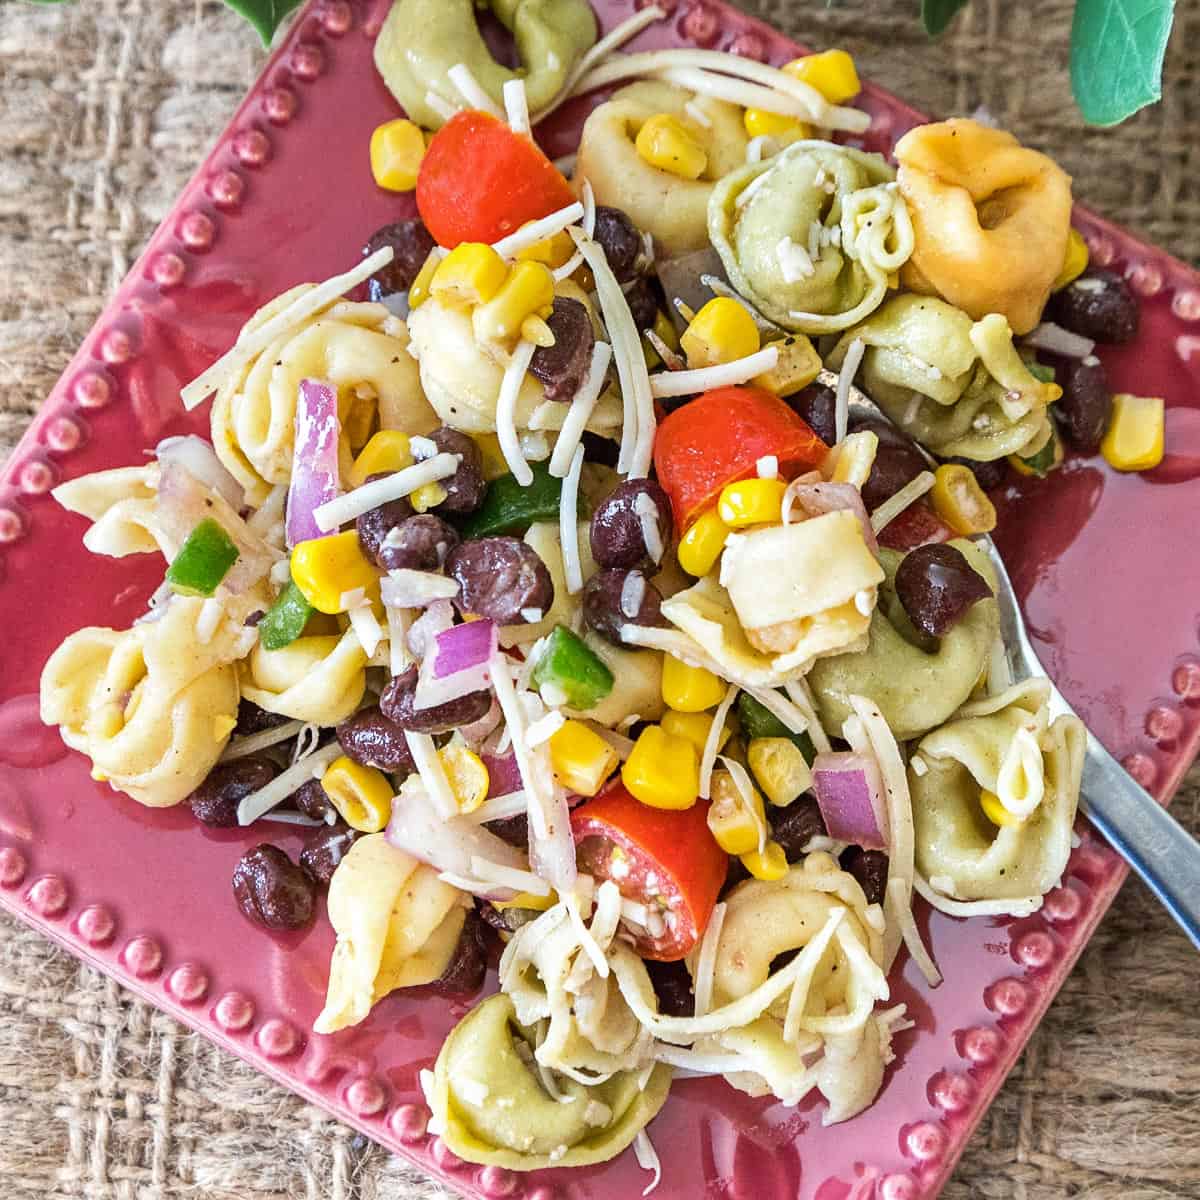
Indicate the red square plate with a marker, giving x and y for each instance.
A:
(1106, 565)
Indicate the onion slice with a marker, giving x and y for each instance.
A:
(850, 795)
(199, 459)
(315, 472)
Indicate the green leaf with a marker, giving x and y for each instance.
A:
(937, 14)
(264, 15)
(1117, 49)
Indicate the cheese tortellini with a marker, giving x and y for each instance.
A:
(955, 385)
(122, 505)
(362, 349)
(319, 678)
(991, 219)
(674, 210)
(397, 926)
(811, 236)
(916, 686)
(1008, 746)
(151, 706)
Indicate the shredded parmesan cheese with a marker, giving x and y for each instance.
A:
(741, 781)
(256, 804)
(209, 617)
(1021, 907)
(647, 512)
(697, 114)
(254, 342)
(470, 89)
(440, 105)
(500, 808)
(399, 620)
(568, 524)
(255, 742)
(900, 905)
(339, 511)
(795, 262)
(895, 504)
(758, 148)
(544, 728)
(707, 961)
(366, 627)
(506, 408)
(512, 877)
(853, 360)
(589, 209)
(516, 105)
(703, 379)
(647, 1159)
(539, 230)
(433, 774)
(580, 411)
(767, 467)
(587, 943)
(713, 741)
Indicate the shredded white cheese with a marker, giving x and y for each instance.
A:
(920, 768)
(767, 467)
(208, 619)
(647, 513)
(707, 961)
(284, 784)
(544, 728)
(589, 209)
(741, 781)
(333, 513)
(795, 262)
(895, 504)
(647, 1159)
(516, 105)
(292, 818)
(703, 379)
(853, 360)
(712, 743)
(580, 412)
(254, 342)
(633, 593)
(470, 89)
(1020, 907)
(587, 943)
(758, 148)
(366, 627)
(568, 524)
(254, 742)
(519, 881)
(433, 774)
(399, 620)
(500, 808)
(900, 906)
(440, 105)
(506, 408)
(538, 231)
(696, 113)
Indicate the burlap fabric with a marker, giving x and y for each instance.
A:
(106, 107)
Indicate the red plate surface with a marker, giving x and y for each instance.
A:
(1106, 566)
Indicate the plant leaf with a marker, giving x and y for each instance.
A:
(1117, 49)
(264, 15)
(937, 14)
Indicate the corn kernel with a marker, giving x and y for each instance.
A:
(779, 769)
(995, 811)
(695, 727)
(737, 824)
(427, 496)
(689, 689)
(1075, 262)
(527, 291)
(785, 130)
(362, 795)
(751, 502)
(721, 332)
(554, 251)
(419, 292)
(466, 774)
(960, 501)
(360, 420)
(662, 771)
(768, 866)
(528, 900)
(581, 758)
(666, 142)
(397, 148)
(851, 460)
(832, 73)
(534, 329)
(494, 463)
(472, 273)
(326, 568)
(799, 364)
(701, 546)
(1134, 441)
(387, 451)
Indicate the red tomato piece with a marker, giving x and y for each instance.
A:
(719, 437)
(479, 181)
(665, 859)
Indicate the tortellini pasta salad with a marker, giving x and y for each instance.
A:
(605, 635)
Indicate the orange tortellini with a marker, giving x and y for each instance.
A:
(990, 216)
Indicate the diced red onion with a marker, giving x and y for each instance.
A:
(463, 646)
(438, 616)
(315, 473)
(504, 775)
(200, 460)
(477, 731)
(817, 499)
(850, 795)
(406, 588)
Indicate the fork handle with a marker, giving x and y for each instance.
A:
(1164, 855)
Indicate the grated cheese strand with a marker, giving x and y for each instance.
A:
(342, 509)
(399, 621)
(366, 627)
(568, 524)
(589, 209)
(587, 943)
(1022, 906)
(703, 379)
(440, 105)
(801, 696)
(500, 808)
(433, 774)
(899, 901)
(471, 90)
(853, 360)
(647, 1159)
(257, 340)
(582, 407)
(895, 504)
(516, 105)
(741, 781)
(255, 742)
(711, 743)
(518, 880)
(257, 804)
(539, 230)
(706, 963)
(506, 408)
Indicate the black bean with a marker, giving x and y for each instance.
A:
(468, 964)
(252, 719)
(562, 368)
(465, 488)
(796, 825)
(621, 241)
(215, 801)
(397, 705)
(420, 543)
(502, 578)
(312, 800)
(371, 740)
(1099, 305)
(817, 404)
(613, 598)
(374, 526)
(936, 585)
(412, 243)
(601, 451)
(897, 460)
(870, 868)
(989, 475)
(513, 830)
(735, 873)
(673, 986)
(644, 302)
(324, 850)
(1085, 408)
(618, 535)
(271, 890)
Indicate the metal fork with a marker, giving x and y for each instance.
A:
(1162, 853)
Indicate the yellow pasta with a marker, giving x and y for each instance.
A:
(319, 679)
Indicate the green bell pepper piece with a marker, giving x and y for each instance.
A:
(758, 721)
(1041, 372)
(1046, 459)
(567, 663)
(509, 508)
(285, 619)
(203, 560)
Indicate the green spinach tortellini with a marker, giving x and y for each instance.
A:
(917, 685)
(955, 385)
(490, 1106)
(1007, 746)
(811, 236)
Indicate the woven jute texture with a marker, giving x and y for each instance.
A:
(106, 107)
